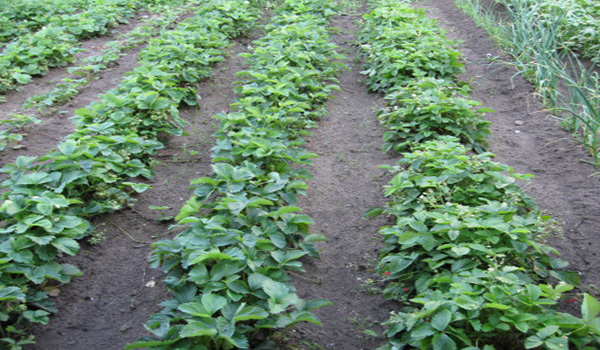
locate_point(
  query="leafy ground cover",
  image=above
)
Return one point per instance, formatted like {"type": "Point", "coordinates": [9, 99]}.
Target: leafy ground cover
{"type": "Point", "coordinates": [465, 251]}
{"type": "Point", "coordinates": [87, 71]}
{"type": "Point", "coordinates": [22, 17]}
{"type": "Point", "coordinates": [95, 312]}
{"type": "Point", "coordinates": [90, 67]}
{"type": "Point", "coordinates": [228, 270]}
{"type": "Point", "coordinates": [56, 43]}
{"type": "Point", "coordinates": [47, 200]}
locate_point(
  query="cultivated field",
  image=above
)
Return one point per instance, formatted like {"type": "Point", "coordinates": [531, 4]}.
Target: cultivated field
{"type": "Point", "coordinates": [298, 174]}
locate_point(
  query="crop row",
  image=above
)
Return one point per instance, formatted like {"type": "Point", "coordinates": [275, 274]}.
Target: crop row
{"type": "Point", "coordinates": [91, 66]}
{"type": "Point", "coordinates": [47, 200]}
{"type": "Point", "coordinates": [26, 16]}
{"type": "Point", "coordinates": [56, 43]}
{"type": "Point", "coordinates": [464, 253]}
{"type": "Point", "coordinates": [228, 268]}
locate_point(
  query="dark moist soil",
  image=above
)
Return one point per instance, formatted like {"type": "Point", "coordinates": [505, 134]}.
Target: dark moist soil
{"type": "Point", "coordinates": [526, 138]}
{"type": "Point", "coordinates": [347, 182]}
{"type": "Point", "coordinates": [106, 307]}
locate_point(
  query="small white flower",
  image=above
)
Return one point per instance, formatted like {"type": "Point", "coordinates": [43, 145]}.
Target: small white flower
{"type": "Point", "coordinates": [151, 283]}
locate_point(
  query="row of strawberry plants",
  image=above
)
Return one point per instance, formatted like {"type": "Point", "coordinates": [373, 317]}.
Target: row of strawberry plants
{"type": "Point", "coordinates": [90, 67]}
{"type": "Point", "coordinates": [228, 269]}
{"type": "Point", "coordinates": [26, 16]}
{"type": "Point", "coordinates": [56, 43]}
{"type": "Point", "coordinates": [464, 253]}
{"type": "Point", "coordinates": [46, 201]}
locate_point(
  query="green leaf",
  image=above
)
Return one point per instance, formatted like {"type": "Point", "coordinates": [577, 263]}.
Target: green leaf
{"type": "Point", "coordinates": [137, 186]}
{"type": "Point", "coordinates": [195, 309]}
{"type": "Point", "coordinates": [250, 313]}
{"type": "Point", "coordinates": [443, 342]}
{"type": "Point", "coordinates": [422, 331]}
{"type": "Point", "coordinates": [70, 270]}
{"type": "Point", "coordinates": [460, 251]}
{"type": "Point", "coordinates": [223, 170]}
{"type": "Point", "coordinates": [568, 277]}
{"type": "Point", "coordinates": [441, 320]}
{"type": "Point", "coordinates": [466, 302]}
{"type": "Point", "coordinates": [67, 147]}
{"type": "Point", "coordinates": [41, 240]}
{"type": "Point", "coordinates": [199, 328]}
{"type": "Point", "coordinates": [38, 316]}
{"type": "Point", "coordinates": [557, 343]}
{"type": "Point", "coordinates": [67, 245]}
{"type": "Point", "coordinates": [496, 306]}
{"type": "Point", "coordinates": [191, 207]}
{"type": "Point", "coordinates": [21, 78]}
{"type": "Point", "coordinates": [316, 304]}
{"type": "Point", "coordinates": [213, 302]}
{"type": "Point", "coordinates": [214, 254]}
{"type": "Point", "coordinates": [280, 296]}
{"type": "Point", "coordinates": [374, 212]}
{"type": "Point", "coordinates": [275, 290]}
{"type": "Point", "coordinates": [589, 308]}
{"type": "Point", "coordinates": [12, 293]}
{"type": "Point", "coordinates": [287, 209]}
{"type": "Point", "coordinates": [36, 178]}
{"type": "Point", "coordinates": [547, 331]}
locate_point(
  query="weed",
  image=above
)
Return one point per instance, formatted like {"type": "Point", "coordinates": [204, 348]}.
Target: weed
{"type": "Point", "coordinates": [96, 237]}
{"type": "Point", "coordinates": [365, 324]}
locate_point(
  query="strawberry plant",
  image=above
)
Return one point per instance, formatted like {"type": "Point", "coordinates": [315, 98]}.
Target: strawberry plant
{"type": "Point", "coordinates": [22, 17]}
{"type": "Point", "coordinates": [242, 233]}
{"type": "Point", "coordinates": [424, 109]}
{"type": "Point", "coordinates": [464, 253]}
{"type": "Point", "coordinates": [46, 201]}
{"type": "Point", "coordinates": [13, 128]}
{"type": "Point", "coordinates": [400, 43]}
{"type": "Point", "coordinates": [93, 65]}
{"type": "Point", "coordinates": [56, 43]}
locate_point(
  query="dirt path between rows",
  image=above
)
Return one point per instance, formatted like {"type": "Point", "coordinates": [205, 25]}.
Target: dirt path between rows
{"type": "Point", "coordinates": [523, 136]}
{"type": "Point", "coordinates": [106, 307]}
{"type": "Point", "coordinates": [347, 182]}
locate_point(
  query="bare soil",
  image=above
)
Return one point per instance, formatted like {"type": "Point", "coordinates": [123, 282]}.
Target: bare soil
{"type": "Point", "coordinates": [105, 308]}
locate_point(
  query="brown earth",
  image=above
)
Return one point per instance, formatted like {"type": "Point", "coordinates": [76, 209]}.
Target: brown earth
{"type": "Point", "coordinates": [105, 308]}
